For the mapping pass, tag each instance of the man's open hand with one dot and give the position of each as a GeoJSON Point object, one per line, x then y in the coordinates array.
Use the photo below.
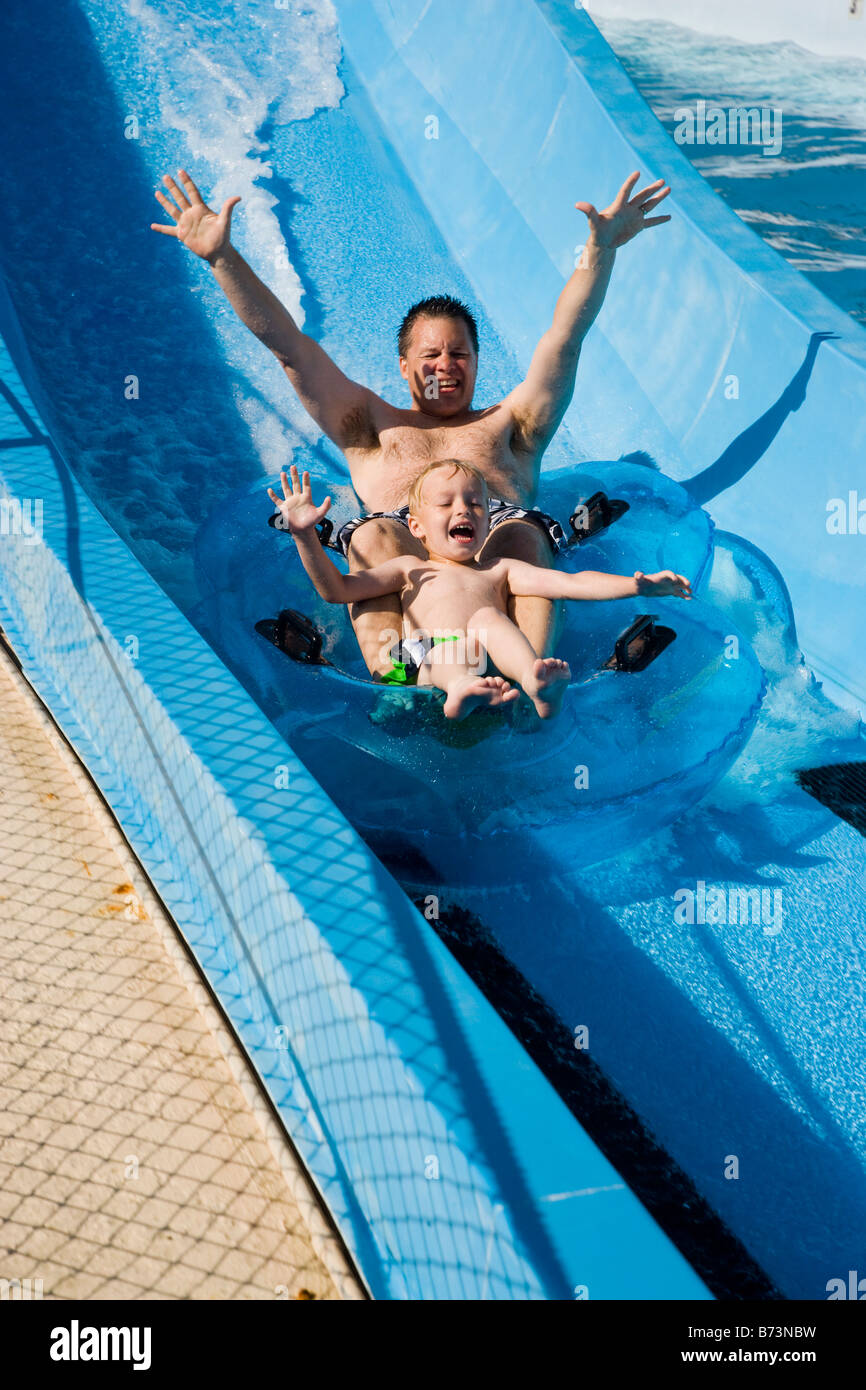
{"type": "Point", "coordinates": [204, 231]}
{"type": "Point", "coordinates": [626, 216]}
{"type": "Point", "coordinates": [298, 509]}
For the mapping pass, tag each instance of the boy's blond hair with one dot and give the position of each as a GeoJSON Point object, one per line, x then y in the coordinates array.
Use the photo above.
{"type": "Point", "coordinates": [456, 464]}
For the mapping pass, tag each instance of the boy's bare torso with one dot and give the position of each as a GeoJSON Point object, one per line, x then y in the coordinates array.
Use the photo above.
{"type": "Point", "coordinates": [387, 448]}
{"type": "Point", "coordinates": [438, 597]}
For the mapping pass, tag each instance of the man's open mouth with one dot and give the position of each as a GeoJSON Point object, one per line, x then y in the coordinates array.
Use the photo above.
{"type": "Point", "coordinates": [448, 383]}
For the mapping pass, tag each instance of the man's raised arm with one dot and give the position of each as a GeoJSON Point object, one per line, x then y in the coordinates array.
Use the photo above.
{"type": "Point", "coordinates": [540, 401]}
{"type": "Point", "coordinates": [326, 392]}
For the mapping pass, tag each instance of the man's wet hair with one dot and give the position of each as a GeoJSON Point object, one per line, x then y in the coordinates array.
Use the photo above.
{"type": "Point", "coordinates": [437, 306]}
{"type": "Point", "coordinates": [456, 466]}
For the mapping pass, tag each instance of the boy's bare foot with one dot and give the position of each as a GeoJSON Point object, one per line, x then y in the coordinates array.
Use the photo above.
{"type": "Point", "coordinates": [468, 692]}
{"type": "Point", "coordinates": [546, 685]}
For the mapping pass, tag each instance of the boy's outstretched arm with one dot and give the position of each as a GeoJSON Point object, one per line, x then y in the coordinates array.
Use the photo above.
{"type": "Point", "coordinates": [328, 394]}
{"type": "Point", "coordinates": [526, 580]}
{"type": "Point", "coordinates": [302, 515]}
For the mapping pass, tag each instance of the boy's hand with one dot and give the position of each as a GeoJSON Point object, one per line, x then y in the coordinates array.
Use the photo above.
{"type": "Point", "coordinates": [299, 511]}
{"type": "Point", "coordinates": [663, 583]}
{"type": "Point", "coordinates": [204, 231]}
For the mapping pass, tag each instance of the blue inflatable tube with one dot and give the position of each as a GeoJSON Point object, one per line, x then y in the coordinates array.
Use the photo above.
{"type": "Point", "coordinates": [628, 753]}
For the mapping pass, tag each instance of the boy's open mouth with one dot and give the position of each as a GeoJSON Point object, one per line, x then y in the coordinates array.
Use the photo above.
{"type": "Point", "coordinates": [464, 532]}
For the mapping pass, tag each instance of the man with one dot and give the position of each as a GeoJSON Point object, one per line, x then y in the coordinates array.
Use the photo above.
{"type": "Point", "coordinates": [385, 446]}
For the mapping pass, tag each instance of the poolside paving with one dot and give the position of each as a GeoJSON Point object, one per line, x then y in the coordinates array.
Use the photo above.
{"type": "Point", "coordinates": [138, 1157]}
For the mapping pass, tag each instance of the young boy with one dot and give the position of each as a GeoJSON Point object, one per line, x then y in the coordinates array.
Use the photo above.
{"type": "Point", "coordinates": [455, 592]}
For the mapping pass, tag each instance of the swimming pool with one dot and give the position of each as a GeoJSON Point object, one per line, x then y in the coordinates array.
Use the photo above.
{"type": "Point", "coordinates": [805, 198]}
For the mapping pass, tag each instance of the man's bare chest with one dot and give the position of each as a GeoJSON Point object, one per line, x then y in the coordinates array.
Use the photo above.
{"type": "Point", "coordinates": [475, 439]}
{"type": "Point", "coordinates": [384, 470]}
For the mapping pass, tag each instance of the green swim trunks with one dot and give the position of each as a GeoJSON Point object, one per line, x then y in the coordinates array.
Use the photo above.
{"type": "Point", "coordinates": [407, 656]}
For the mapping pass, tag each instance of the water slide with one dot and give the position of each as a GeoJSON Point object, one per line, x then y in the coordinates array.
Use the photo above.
{"type": "Point", "coordinates": [386, 149]}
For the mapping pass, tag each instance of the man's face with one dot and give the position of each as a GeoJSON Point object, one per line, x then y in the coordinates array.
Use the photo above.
{"type": "Point", "coordinates": [451, 520]}
{"type": "Point", "coordinates": [440, 367]}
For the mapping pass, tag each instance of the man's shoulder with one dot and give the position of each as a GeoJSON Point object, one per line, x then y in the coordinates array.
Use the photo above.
{"type": "Point", "coordinates": [498, 414]}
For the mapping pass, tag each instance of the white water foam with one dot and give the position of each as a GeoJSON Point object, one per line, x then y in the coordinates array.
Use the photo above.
{"type": "Point", "coordinates": [208, 78]}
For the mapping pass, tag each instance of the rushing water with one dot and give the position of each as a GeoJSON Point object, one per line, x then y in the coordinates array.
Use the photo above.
{"type": "Point", "coordinates": [809, 200]}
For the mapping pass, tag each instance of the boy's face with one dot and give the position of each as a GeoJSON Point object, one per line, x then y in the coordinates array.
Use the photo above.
{"type": "Point", "coordinates": [451, 520]}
